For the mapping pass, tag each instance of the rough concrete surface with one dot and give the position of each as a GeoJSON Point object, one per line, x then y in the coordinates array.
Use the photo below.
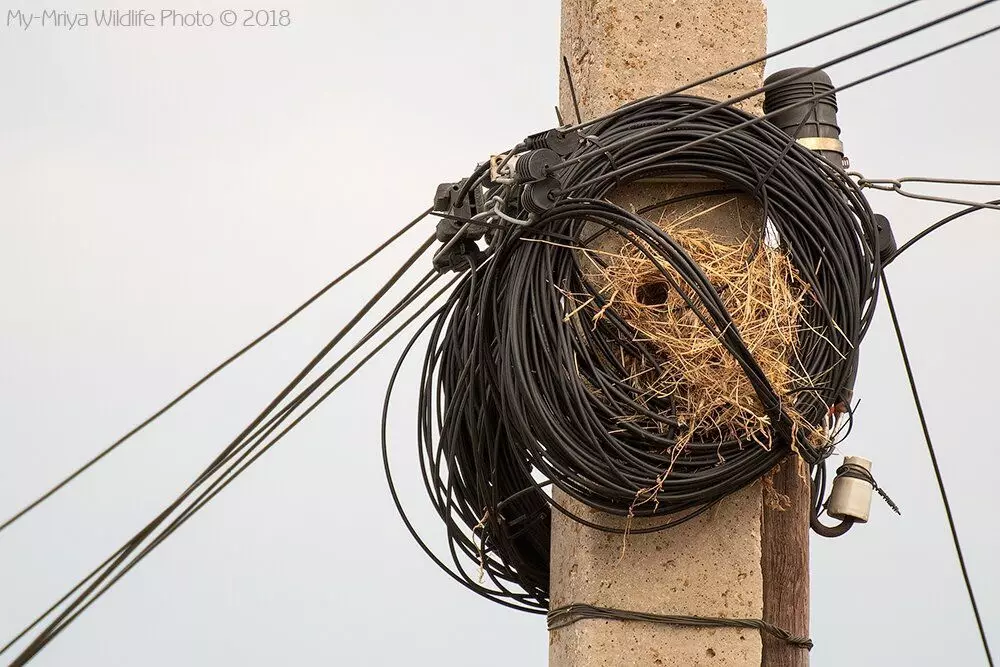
{"type": "Point", "coordinates": [709, 566]}
{"type": "Point", "coordinates": [619, 51]}
{"type": "Point", "coordinates": [622, 50]}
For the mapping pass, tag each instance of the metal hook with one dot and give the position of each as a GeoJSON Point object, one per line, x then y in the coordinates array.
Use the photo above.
{"type": "Point", "coordinates": [896, 185]}
{"type": "Point", "coordinates": [884, 184]}
{"type": "Point", "coordinates": [503, 216]}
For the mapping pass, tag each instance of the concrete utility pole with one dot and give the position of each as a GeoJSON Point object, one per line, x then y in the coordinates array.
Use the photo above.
{"type": "Point", "coordinates": [743, 559]}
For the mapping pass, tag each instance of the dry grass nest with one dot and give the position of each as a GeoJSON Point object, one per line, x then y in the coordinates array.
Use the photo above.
{"type": "Point", "coordinates": [711, 395]}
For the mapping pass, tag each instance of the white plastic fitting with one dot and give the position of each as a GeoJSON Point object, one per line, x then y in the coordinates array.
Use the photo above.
{"type": "Point", "coordinates": [851, 498]}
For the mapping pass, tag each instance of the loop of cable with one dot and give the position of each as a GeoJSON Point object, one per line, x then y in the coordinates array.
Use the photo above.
{"type": "Point", "coordinates": [516, 395]}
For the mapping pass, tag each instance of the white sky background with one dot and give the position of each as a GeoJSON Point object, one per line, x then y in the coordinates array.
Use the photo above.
{"type": "Point", "coordinates": [168, 194]}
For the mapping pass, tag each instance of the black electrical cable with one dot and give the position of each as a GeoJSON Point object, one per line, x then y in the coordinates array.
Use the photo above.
{"type": "Point", "coordinates": [238, 452]}
{"type": "Point", "coordinates": [736, 99]}
{"type": "Point", "coordinates": [753, 120]}
{"type": "Point", "coordinates": [233, 472]}
{"type": "Point", "coordinates": [937, 469]}
{"type": "Point", "coordinates": [516, 393]}
{"type": "Point", "coordinates": [938, 225]}
{"type": "Point", "coordinates": [482, 169]}
{"type": "Point", "coordinates": [563, 616]}
{"type": "Point", "coordinates": [749, 63]}
{"type": "Point", "coordinates": [205, 378]}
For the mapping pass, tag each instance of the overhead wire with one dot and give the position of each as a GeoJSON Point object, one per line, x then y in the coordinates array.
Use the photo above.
{"type": "Point", "coordinates": [219, 484]}
{"type": "Point", "coordinates": [895, 185]}
{"type": "Point", "coordinates": [818, 96]}
{"type": "Point", "coordinates": [236, 451]}
{"type": "Point", "coordinates": [207, 376]}
{"type": "Point", "coordinates": [937, 470]}
{"type": "Point", "coordinates": [804, 72]}
{"type": "Point", "coordinates": [939, 224]}
{"type": "Point", "coordinates": [744, 65]}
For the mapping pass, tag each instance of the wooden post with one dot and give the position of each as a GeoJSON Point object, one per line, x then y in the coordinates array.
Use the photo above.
{"type": "Point", "coordinates": [743, 559]}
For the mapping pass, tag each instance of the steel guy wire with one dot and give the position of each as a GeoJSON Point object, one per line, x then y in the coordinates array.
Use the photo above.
{"type": "Point", "coordinates": [896, 185]}
{"type": "Point", "coordinates": [807, 71]}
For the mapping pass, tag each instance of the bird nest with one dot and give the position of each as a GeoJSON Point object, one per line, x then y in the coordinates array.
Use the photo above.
{"type": "Point", "coordinates": [711, 395]}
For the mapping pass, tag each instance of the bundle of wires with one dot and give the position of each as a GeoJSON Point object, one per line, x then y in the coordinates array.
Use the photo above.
{"type": "Point", "coordinates": [516, 395]}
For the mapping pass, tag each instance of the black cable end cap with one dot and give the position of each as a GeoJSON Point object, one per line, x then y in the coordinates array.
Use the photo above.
{"type": "Point", "coordinates": [539, 196]}
{"type": "Point", "coordinates": [886, 239]}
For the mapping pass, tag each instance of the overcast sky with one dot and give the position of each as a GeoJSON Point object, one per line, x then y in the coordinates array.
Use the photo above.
{"type": "Point", "coordinates": [168, 194]}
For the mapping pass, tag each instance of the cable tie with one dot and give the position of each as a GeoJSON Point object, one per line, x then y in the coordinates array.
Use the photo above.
{"type": "Point", "coordinates": [596, 141]}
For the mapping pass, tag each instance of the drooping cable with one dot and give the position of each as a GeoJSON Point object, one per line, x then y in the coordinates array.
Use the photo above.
{"type": "Point", "coordinates": [493, 500]}
{"type": "Point", "coordinates": [939, 224]}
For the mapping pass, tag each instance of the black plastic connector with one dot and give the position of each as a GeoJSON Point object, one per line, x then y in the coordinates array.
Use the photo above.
{"type": "Point", "coordinates": [814, 124]}
{"type": "Point", "coordinates": [886, 239]}
{"type": "Point", "coordinates": [446, 201]}
{"type": "Point", "coordinates": [534, 165]}
{"type": "Point", "coordinates": [463, 255]}
{"type": "Point", "coordinates": [539, 196]}
{"type": "Point", "coordinates": [563, 143]}
{"type": "Point", "coordinates": [443, 195]}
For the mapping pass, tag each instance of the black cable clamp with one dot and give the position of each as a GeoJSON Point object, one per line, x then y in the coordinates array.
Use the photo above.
{"type": "Point", "coordinates": [459, 256]}
{"type": "Point", "coordinates": [456, 213]}
{"type": "Point", "coordinates": [539, 196]}
{"type": "Point", "coordinates": [457, 230]}
{"type": "Point", "coordinates": [558, 141]}
{"type": "Point", "coordinates": [533, 168]}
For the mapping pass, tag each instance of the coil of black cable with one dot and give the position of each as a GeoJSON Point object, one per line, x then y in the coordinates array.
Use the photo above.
{"type": "Point", "coordinates": [515, 397]}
